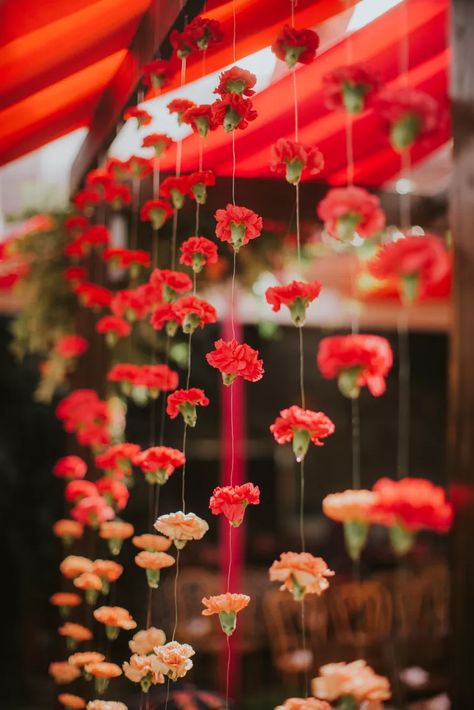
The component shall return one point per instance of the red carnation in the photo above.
(194, 312)
(159, 73)
(131, 303)
(357, 361)
(297, 296)
(117, 459)
(409, 505)
(75, 490)
(114, 492)
(165, 315)
(184, 402)
(156, 212)
(157, 378)
(179, 106)
(293, 46)
(71, 467)
(76, 222)
(119, 169)
(233, 111)
(159, 463)
(350, 210)
(98, 178)
(301, 426)
(69, 346)
(96, 235)
(198, 182)
(237, 225)
(139, 167)
(127, 258)
(351, 87)
(160, 142)
(416, 263)
(113, 327)
(93, 296)
(197, 252)
(236, 81)
(75, 274)
(174, 283)
(233, 359)
(175, 189)
(117, 195)
(92, 511)
(76, 249)
(143, 117)
(232, 501)
(409, 115)
(295, 160)
(85, 200)
(199, 118)
(125, 373)
(204, 32)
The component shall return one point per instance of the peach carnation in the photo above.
(65, 601)
(115, 532)
(74, 565)
(71, 702)
(227, 606)
(102, 673)
(114, 618)
(105, 705)
(304, 704)
(181, 527)
(144, 641)
(63, 672)
(153, 563)
(301, 573)
(91, 583)
(356, 679)
(152, 543)
(83, 658)
(74, 633)
(68, 530)
(173, 659)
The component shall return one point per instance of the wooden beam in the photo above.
(461, 426)
(151, 35)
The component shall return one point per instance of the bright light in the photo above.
(404, 186)
(368, 10)
(129, 139)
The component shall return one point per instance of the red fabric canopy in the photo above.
(377, 44)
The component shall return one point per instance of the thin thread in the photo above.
(303, 642)
(298, 230)
(403, 445)
(227, 673)
(174, 233)
(349, 149)
(405, 199)
(295, 100)
(355, 416)
(233, 167)
(176, 610)
(229, 569)
(234, 31)
(232, 296)
(303, 397)
(232, 439)
(302, 492)
(136, 200)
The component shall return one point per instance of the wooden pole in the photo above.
(461, 425)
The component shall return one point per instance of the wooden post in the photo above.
(461, 426)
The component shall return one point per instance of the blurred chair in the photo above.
(360, 613)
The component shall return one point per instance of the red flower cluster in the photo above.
(98, 179)
(193, 312)
(198, 35)
(180, 106)
(301, 426)
(83, 413)
(127, 258)
(116, 460)
(82, 242)
(350, 210)
(76, 222)
(293, 46)
(235, 359)
(70, 346)
(160, 142)
(135, 303)
(409, 114)
(117, 195)
(357, 361)
(200, 118)
(153, 378)
(197, 252)
(159, 462)
(237, 225)
(76, 490)
(232, 501)
(174, 283)
(297, 296)
(113, 327)
(295, 160)
(159, 73)
(93, 296)
(115, 492)
(236, 81)
(75, 274)
(233, 111)
(143, 117)
(351, 87)
(156, 212)
(184, 402)
(70, 467)
(85, 200)
(415, 263)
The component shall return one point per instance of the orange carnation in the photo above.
(304, 704)
(114, 618)
(144, 641)
(71, 702)
(108, 571)
(74, 565)
(103, 672)
(174, 659)
(74, 633)
(355, 510)
(83, 658)
(301, 573)
(115, 532)
(68, 530)
(356, 680)
(153, 562)
(152, 543)
(91, 583)
(65, 601)
(227, 606)
(63, 672)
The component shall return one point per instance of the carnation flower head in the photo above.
(347, 211)
(173, 659)
(197, 252)
(142, 116)
(74, 634)
(232, 501)
(416, 263)
(184, 402)
(158, 463)
(181, 527)
(115, 492)
(304, 704)
(159, 73)
(153, 563)
(116, 460)
(102, 673)
(65, 601)
(114, 618)
(357, 360)
(115, 532)
(236, 81)
(237, 225)
(300, 426)
(352, 88)
(144, 641)
(409, 114)
(68, 530)
(173, 283)
(70, 467)
(227, 606)
(82, 658)
(193, 312)
(180, 106)
(141, 669)
(71, 702)
(92, 296)
(233, 111)
(160, 143)
(355, 510)
(113, 327)
(70, 346)
(175, 188)
(355, 680)
(297, 295)
(156, 212)
(74, 565)
(295, 46)
(117, 195)
(152, 543)
(200, 118)
(62, 672)
(295, 161)
(301, 573)
(92, 510)
(198, 182)
(234, 360)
